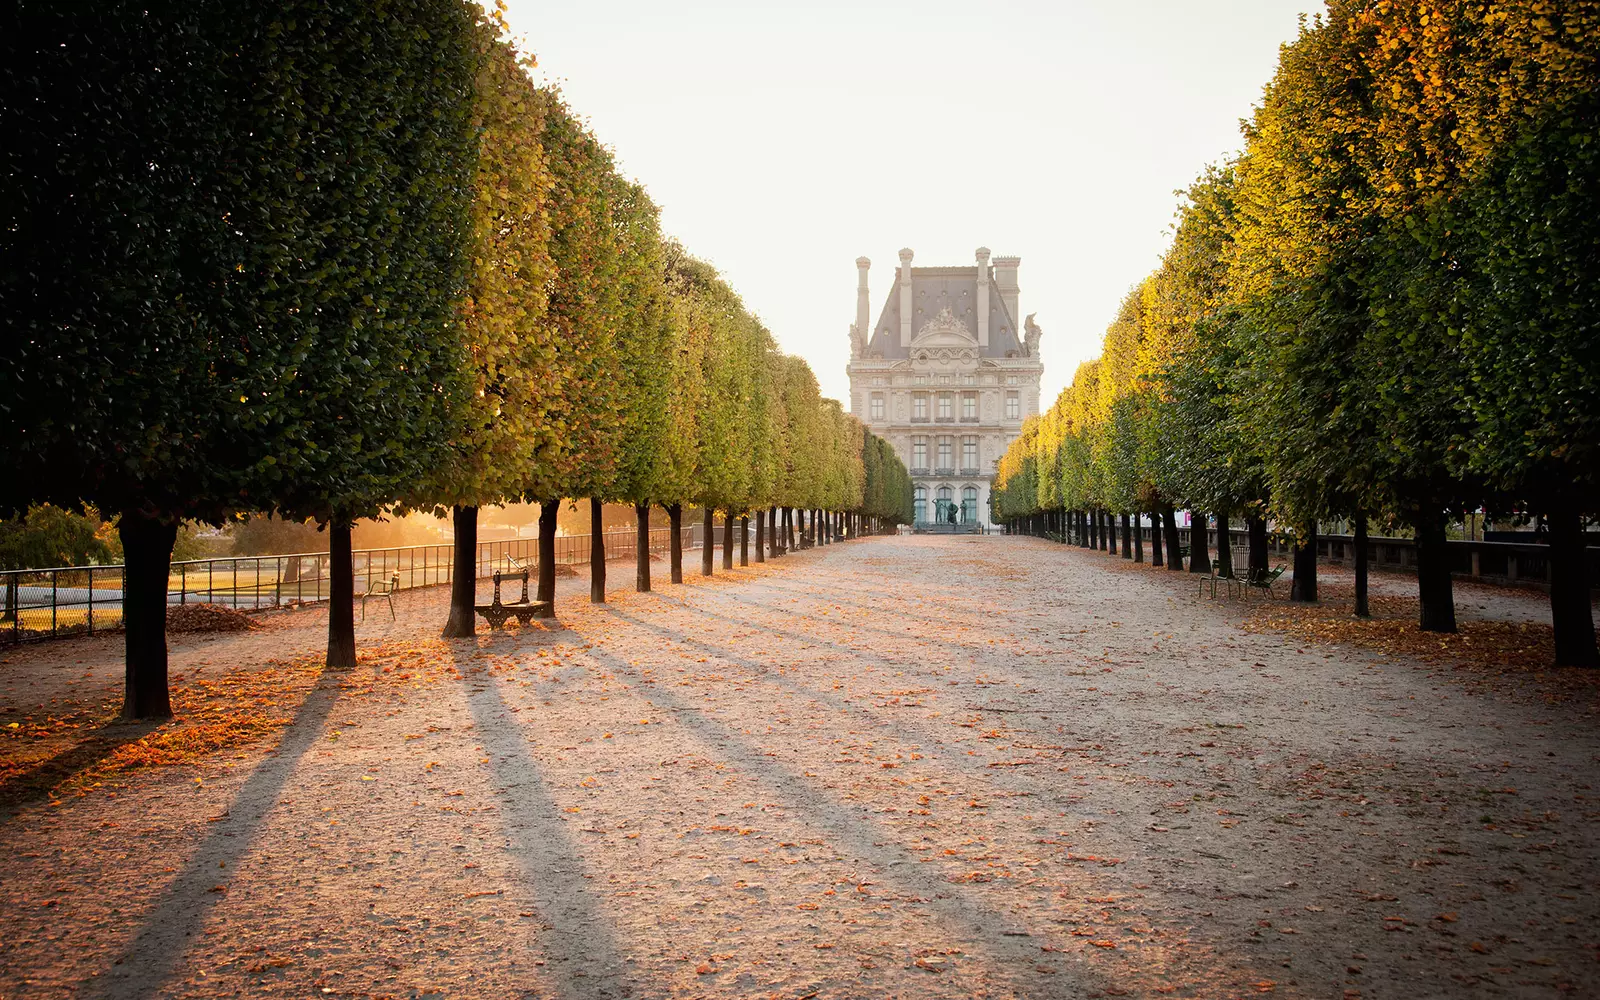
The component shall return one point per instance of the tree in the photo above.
(256, 220)
(504, 426)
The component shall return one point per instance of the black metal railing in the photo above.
(68, 600)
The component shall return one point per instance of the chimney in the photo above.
(863, 301)
(1005, 276)
(983, 296)
(905, 297)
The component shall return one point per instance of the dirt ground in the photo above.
(912, 767)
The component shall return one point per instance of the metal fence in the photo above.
(68, 600)
(1517, 563)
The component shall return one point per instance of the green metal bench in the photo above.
(1262, 581)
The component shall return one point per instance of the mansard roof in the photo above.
(934, 289)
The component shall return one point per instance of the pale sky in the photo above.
(782, 142)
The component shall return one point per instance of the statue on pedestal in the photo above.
(1032, 337)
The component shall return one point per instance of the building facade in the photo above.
(947, 374)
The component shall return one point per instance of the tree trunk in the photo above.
(1256, 527)
(1199, 543)
(1361, 566)
(1127, 531)
(1570, 612)
(1169, 518)
(147, 560)
(675, 545)
(727, 541)
(788, 529)
(1093, 517)
(1155, 538)
(547, 555)
(1304, 586)
(463, 620)
(1224, 546)
(1084, 531)
(744, 540)
(1138, 539)
(761, 536)
(341, 595)
(597, 554)
(1435, 591)
(1111, 533)
(708, 537)
(641, 576)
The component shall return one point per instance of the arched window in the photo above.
(944, 504)
(969, 504)
(919, 503)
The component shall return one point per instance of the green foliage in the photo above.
(1385, 306)
(503, 426)
(46, 535)
(256, 218)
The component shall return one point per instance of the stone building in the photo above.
(947, 374)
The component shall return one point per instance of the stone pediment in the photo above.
(944, 331)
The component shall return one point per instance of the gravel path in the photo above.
(930, 766)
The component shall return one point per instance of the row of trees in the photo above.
(328, 259)
(1383, 309)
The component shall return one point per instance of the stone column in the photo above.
(983, 296)
(905, 297)
(863, 301)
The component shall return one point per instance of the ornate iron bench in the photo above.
(496, 612)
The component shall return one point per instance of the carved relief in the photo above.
(945, 323)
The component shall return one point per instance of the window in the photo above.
(944, 380)
(969, 504)
(969, 406)
(880, 380)
(969, 380)
(944, 505)
(944, 453)
(919, 406)
(919, 453)
(969, 453)
(1013, 406)
(1011, 380)
(876, 406)
(919, 503)
(922, 380)
(946, 406)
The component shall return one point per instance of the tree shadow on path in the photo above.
(156, 949)
(980, 930)
(577, 938)
(977, 926)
